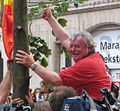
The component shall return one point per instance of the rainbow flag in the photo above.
(7, 28)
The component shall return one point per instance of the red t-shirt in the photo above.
(88, 74)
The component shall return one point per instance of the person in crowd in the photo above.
(42, 106)
(36, 91)
(38, 106)
(5, 88)
(58, 96)
(44, 93)
(88, 72)
(55, 101)
(5, 85)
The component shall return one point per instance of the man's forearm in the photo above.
(47, 75)
(60, 32)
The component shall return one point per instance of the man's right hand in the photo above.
(24, 58)
(46, 13)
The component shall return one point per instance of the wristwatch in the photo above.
(34, 65)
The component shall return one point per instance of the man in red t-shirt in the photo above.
(89, 74)
(89, 71)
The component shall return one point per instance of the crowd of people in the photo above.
(89, 71)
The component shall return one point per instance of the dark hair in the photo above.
(59, 95)
(45, 84)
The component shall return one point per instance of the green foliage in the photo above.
(44, 62)
(39, 49)
(64, 50)
(60, 51)
(62, 22)
(35, 13)
(61, 7)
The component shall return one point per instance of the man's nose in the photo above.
(73, 48)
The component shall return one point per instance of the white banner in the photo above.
(108, 44)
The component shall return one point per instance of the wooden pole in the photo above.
(20, 36)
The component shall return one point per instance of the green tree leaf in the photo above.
(39, 48)
(76, 2)
(34, 10)
(65, 7)
(62, 22)
(60, 52)
(44, 62)
(41, 5)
